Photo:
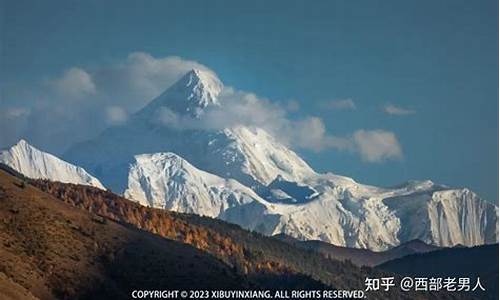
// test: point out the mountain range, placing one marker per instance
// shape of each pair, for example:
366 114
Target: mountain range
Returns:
244 175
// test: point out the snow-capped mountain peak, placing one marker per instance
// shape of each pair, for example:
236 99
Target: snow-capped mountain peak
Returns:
37 164
190 95
22 144
204 87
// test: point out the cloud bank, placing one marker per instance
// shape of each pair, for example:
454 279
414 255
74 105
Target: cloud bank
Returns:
75 83
242 108
377 145
80 103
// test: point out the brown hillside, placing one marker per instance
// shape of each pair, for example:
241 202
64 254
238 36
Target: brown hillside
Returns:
249 253
58 251
71 241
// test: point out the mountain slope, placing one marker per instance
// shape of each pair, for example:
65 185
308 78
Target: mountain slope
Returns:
165 180
9 290
265 262
105 260
37 164
250 253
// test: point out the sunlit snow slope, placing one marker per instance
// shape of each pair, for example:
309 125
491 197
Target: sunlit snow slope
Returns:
37 164
165 180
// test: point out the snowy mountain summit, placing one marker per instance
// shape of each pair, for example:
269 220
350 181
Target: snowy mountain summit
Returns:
248 154
244 175
37 164
192 93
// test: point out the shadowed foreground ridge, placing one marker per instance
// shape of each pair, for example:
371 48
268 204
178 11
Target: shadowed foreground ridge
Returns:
474 262
92 248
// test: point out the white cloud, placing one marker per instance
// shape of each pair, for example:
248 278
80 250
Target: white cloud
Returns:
340 104
397 111
377 145
310 133
238 108
241 108
116 115
74 84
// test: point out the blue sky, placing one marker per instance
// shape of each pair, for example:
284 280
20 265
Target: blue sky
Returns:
434 62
